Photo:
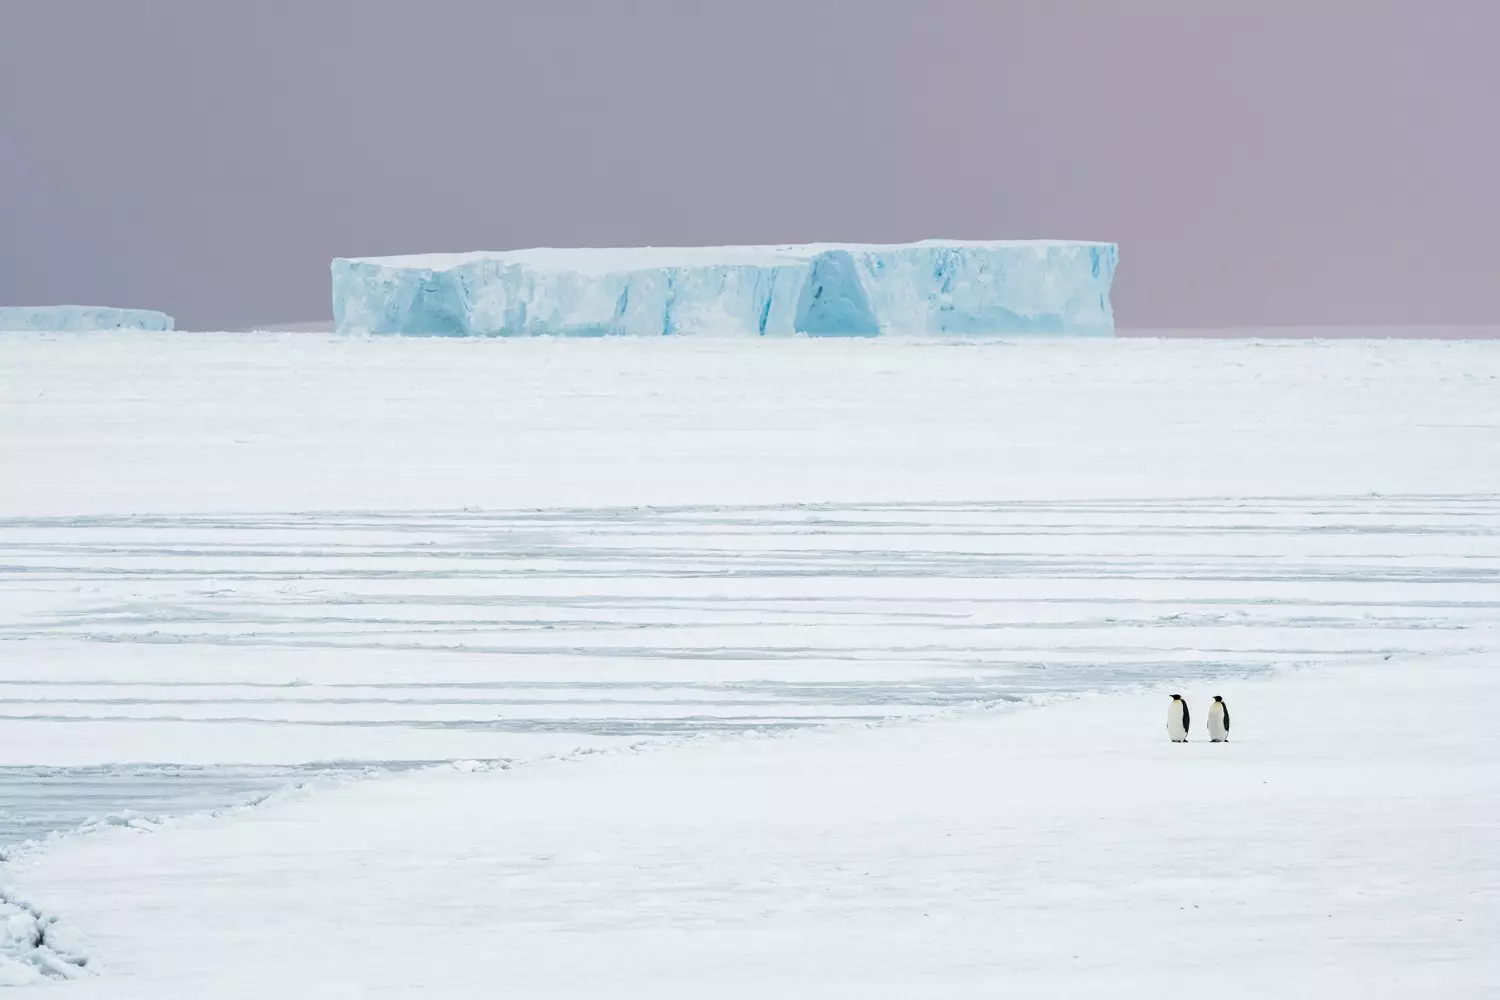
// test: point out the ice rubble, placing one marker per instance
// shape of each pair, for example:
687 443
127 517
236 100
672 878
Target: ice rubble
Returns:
74 318
34 947
827 289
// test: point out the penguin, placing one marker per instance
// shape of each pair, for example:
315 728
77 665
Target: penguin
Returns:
1218 720
1179 719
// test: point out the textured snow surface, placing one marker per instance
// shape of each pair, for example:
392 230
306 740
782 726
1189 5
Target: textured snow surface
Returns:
719 643
80 318
936 287
161 664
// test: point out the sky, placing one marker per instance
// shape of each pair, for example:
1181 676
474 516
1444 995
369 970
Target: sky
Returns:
1283 162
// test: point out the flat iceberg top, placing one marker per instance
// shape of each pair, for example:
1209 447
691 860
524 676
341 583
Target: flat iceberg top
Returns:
71 318
594 260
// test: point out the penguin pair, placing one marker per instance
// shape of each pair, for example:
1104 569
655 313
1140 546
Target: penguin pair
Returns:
1180 720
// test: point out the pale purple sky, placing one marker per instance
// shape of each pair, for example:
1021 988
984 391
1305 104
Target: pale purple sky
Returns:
1292 162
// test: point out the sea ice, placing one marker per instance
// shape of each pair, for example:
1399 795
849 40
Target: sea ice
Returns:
824 289
76 318
464 547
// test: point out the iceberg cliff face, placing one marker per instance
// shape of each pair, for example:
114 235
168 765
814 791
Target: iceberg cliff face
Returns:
932 287
68 319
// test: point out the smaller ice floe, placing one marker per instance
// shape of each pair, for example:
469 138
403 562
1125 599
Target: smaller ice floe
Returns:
73 319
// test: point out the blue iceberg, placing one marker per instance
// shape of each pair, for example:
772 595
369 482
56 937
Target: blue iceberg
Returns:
69 319
935 287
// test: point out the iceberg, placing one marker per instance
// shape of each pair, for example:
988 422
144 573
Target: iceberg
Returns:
934 287
68 319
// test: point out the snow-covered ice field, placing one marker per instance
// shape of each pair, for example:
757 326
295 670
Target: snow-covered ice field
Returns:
747 669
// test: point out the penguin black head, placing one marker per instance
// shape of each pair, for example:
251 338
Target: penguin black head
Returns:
1217 698
1177 697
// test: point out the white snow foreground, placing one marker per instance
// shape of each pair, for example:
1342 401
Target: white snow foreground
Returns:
1340 845
822 289
81 319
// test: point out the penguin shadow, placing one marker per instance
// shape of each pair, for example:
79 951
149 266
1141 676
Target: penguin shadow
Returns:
1180 721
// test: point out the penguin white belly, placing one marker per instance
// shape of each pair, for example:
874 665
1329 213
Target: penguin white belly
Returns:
1175 727
1217 730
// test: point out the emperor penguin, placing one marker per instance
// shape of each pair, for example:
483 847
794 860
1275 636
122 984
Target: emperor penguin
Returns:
1179 719
1218 720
